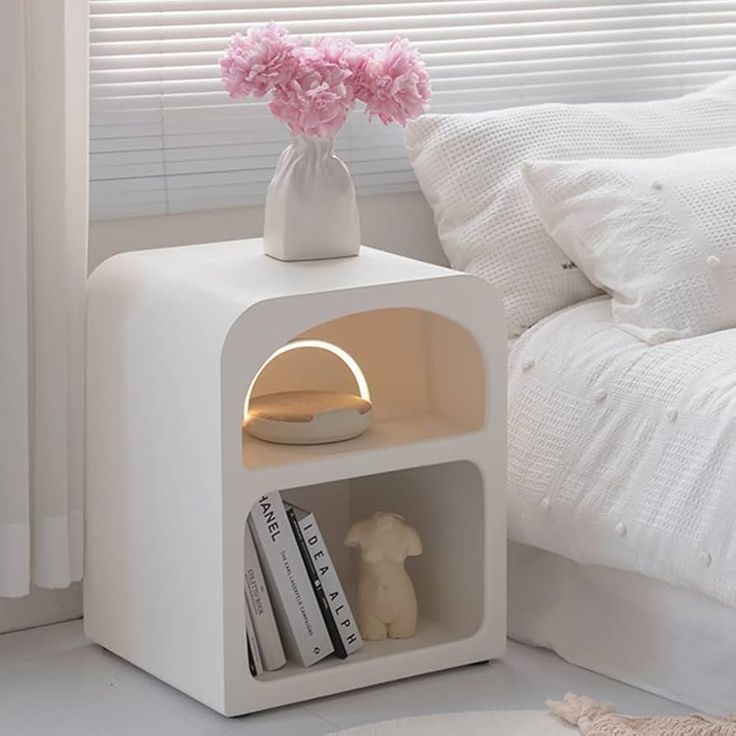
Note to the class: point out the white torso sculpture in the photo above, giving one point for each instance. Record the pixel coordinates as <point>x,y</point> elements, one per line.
<point>387,603</point>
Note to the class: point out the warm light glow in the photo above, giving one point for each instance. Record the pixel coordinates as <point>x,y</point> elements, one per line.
<point>346,358</point>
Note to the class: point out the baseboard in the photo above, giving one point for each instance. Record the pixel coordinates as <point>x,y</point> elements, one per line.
<point>39,608</point>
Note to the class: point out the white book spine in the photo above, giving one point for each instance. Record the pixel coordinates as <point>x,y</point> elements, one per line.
<point>255,663</point>
<point>260,609</point>
<point>341,611</point>
<point>298,616</point>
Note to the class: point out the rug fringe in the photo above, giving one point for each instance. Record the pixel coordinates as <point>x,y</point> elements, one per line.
<point>572,708</point>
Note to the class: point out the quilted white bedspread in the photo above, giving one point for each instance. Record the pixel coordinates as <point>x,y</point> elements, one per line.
<point>624,454</point>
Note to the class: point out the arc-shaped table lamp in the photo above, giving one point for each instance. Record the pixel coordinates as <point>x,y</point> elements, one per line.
<point>309,417</point>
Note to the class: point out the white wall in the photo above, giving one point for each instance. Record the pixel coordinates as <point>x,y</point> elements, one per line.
<point>401,223</point>
<point>40,607</point>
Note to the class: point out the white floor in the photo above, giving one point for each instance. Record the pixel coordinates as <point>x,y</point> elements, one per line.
<point>55,683</point>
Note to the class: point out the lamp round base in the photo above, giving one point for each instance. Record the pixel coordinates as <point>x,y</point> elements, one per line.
<point>307,417</point>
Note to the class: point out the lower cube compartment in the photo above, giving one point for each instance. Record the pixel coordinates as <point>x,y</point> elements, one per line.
<point>445,504</point>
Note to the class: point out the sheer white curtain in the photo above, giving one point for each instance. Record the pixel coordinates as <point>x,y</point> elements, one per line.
<point>43,231</point>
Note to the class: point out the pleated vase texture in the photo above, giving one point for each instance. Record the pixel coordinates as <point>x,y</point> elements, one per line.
<point>311,211</point>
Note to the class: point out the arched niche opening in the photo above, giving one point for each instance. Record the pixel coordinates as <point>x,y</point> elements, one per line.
<point>424,373</point>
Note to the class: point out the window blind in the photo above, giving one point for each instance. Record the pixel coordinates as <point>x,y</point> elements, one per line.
<point>165,138</point>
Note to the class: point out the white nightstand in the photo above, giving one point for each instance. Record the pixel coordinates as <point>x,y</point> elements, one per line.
<point>175,338</point>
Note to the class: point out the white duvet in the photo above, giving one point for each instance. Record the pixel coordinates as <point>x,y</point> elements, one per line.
<point>624,454</point>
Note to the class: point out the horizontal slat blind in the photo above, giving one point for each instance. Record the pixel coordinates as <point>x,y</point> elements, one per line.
<point>165,137</point>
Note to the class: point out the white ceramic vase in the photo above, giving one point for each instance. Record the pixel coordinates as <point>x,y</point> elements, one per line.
<point>311,210</point>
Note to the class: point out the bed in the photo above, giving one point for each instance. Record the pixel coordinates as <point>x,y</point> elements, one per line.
<point>622,492</point>
<point>622,452</point>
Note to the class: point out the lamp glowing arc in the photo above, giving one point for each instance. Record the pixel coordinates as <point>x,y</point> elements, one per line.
<point>343,355</point>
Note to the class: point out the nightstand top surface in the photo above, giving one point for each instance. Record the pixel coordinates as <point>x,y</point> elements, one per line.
<point>203,290</point>
<point>239,271</point>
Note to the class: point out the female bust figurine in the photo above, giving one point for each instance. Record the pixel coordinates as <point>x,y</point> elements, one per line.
<point>387,603</point>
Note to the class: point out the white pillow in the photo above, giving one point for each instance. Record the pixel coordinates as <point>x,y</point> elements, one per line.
<point>658,234</point>
<point>468,166</point>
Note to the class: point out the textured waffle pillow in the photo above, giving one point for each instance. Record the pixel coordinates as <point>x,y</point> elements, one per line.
<point>658,234</point>
<point>468,166</point>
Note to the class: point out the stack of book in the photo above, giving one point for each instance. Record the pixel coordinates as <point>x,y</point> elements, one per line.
<point>296,607</point>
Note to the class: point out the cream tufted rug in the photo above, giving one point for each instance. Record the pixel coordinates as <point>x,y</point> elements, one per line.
<point>591,718</point>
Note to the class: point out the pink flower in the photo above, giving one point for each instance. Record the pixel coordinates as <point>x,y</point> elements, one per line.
<point>254,64</point>
<point>318,98</point>
<point>396,87</point>
<point>315,88</point>
<point>346,54</point>
<point>338,50</point>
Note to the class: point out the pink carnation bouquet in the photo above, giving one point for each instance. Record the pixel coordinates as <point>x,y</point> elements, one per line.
<point>314,88</point>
